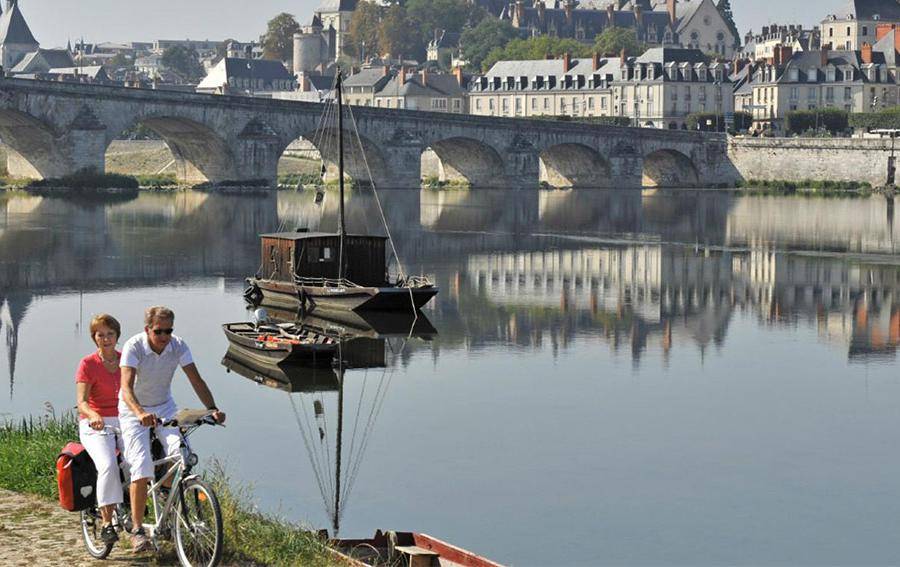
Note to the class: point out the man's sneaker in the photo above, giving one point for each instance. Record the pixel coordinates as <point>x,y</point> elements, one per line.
<point>108,535</point>
<point>139,541</point>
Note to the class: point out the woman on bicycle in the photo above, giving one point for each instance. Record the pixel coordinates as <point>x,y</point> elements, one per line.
<point>97,381</point>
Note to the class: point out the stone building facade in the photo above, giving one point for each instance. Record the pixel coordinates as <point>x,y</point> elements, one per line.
<point>855,24</point>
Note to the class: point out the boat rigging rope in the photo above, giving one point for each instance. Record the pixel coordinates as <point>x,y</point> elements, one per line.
<point>312,459</point>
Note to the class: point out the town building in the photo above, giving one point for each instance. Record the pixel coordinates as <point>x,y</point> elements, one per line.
<point>855,24</point>
<point>546,87</point>
<point>854,81</point>
<point>360,88</point>
<point>763,44</point>
<point>314,48</point>
<point>697,24</point>
<point>445,44</point>
<point>662,87</point>
<point>249,77</point>
<point>425,90</point>
<point>336,14</point>
<point>41,61</point>
<point>16,39</point>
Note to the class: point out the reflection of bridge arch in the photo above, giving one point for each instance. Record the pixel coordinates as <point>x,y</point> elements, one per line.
<point>574,165</point>
<point>32,146</point>
<point>200,154</point>
<point>470,161</point>
<point>669,168</point>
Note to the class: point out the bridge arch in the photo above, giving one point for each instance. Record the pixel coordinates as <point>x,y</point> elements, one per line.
<point>574,165</point>
<point>200,154</point>
<point>361,156</point>
<point>33,149</point>
<point>669,168</point>
<point>468,160</point>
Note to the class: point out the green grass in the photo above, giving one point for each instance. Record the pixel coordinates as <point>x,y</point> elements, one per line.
<point>806,187</point>
<point>434,182</point>
<point>28,452</point>
<point>157,181</point>
<point>87,179</point>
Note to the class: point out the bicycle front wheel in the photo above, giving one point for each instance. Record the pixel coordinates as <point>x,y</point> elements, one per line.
<point>198,526</point>
<point>90,532</point>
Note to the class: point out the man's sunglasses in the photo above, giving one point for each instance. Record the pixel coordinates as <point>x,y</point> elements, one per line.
<point>159,332</point>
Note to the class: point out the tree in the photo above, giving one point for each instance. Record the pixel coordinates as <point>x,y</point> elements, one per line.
<point>394,35</point>
<point>613,40</point>
<point>536,48</point>
<point>490,33</point>
<point>183,61</point>
<point>362,37</point>
<point>278,41</point>
<point>119,61</point>
<point>724,7</point>
<point>448,15</point>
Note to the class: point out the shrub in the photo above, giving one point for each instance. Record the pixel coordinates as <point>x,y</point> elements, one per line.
<point>87,179</point>
<point>887,118</point>
<point>831,120</point>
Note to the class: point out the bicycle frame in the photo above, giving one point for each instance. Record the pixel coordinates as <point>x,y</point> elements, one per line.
<point>178,473</point>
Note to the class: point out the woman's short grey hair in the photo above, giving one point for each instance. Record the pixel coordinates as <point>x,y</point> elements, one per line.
<point>156,313</point>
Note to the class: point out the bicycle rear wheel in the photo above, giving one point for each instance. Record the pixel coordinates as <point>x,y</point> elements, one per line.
<point>91,524</point>
<point>198,526</point>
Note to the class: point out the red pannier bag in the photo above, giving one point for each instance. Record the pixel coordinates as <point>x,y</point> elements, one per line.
<point>76,477</point>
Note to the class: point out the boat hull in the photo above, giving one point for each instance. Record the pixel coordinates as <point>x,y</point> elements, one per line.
<point>288,295</point>
<point>278,353</point>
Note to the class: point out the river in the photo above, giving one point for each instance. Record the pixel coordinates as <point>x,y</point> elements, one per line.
<point>615,377</point>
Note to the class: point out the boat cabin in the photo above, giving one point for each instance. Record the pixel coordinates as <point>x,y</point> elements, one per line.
<point>314,255</point>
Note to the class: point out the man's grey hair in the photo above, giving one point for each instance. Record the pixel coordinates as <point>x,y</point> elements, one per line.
<point>156,313</point>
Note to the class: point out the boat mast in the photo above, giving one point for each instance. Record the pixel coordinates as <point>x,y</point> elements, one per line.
<point>342,229</point>
<point>340,433</point>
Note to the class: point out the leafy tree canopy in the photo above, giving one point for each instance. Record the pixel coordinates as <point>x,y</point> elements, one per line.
<point>477,42</point>
<point>362,37</point>
<point>613,40</point>
<point>183,61</point>
<point>394,35</point>
<point>536,48</point>
<point>278,41</point>
<point>448,15</point>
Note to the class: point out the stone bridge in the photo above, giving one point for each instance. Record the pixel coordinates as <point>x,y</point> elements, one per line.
<point>53,129</point>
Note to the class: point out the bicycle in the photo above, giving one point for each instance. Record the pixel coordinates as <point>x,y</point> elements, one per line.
<point>188,504</point>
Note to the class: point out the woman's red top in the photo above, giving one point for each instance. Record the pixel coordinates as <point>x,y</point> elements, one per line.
<point>104,395</point>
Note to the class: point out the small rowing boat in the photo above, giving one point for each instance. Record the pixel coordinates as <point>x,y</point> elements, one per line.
<point>285,342</point>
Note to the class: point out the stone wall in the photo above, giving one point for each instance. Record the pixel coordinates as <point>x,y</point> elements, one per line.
<point>797,159</point>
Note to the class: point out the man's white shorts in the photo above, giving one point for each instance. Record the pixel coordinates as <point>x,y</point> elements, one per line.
<point>137,438</point>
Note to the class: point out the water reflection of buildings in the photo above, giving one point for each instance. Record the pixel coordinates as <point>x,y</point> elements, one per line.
<point>668,294</point>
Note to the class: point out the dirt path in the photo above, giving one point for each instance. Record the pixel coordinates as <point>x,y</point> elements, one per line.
<point>37,532</point>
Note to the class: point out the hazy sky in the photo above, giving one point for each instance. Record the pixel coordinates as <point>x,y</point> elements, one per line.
<point>55,21</point>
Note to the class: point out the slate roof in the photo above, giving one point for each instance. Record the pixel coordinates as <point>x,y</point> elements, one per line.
<point>593,22</point>
<point>507,75</point>
<point>434,85</point>
<point>671,54</point>
<point>866,10</point>
<point>684,11</point>
<point>14,29</point>
<point>370,77</point>
<point>230,67</point>
<point>44,59</point>
<point>337,6</point>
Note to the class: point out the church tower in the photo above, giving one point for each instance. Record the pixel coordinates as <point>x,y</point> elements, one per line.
<point>16,39</point>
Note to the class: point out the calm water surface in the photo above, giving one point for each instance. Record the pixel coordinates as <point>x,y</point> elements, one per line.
<point>617,378</point>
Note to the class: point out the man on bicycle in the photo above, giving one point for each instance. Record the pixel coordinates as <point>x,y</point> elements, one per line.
<point>149,360</point>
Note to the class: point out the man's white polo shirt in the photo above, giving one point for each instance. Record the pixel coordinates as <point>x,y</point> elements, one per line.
<point>154,372</point>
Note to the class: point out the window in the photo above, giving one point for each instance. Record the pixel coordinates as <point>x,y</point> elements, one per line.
<point>546,103</point>
<point>457,104</point>
<point>562,105</point>
<point>795,93</point>
<point>830,32</point>
<point>603,103</point>
<point>591,103</point>
<point>847,93</point>
<point>811,93</point>
<point>865,30</point>
<point>518,105</point>
<point>829,93</point>
<point>477,104</point>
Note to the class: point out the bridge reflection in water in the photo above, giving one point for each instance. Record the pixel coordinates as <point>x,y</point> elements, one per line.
<point>642,270</point>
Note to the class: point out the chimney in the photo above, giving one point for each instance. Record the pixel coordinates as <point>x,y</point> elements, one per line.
<point>458,73</point>
<point>623,55</point>
<point>670,8</point>
<point>611,14</point>
<point>567,62</point>
<point>401,75</point>
<point>782,54</point>
<point>639,14</point>
<point>540,10</point>
<point>823,54</point>
<point>596,61</point>
<point>424,77</point>
<point>866,53</point>
<point>765,31</point>
<point>520,10</point>
<point>385,71</point>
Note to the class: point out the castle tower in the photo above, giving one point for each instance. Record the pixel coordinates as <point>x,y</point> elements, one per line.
<point>308,48</point>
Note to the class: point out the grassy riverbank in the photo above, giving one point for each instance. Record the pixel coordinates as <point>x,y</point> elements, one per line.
<point>28,451</point>
<point>806,187</point>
